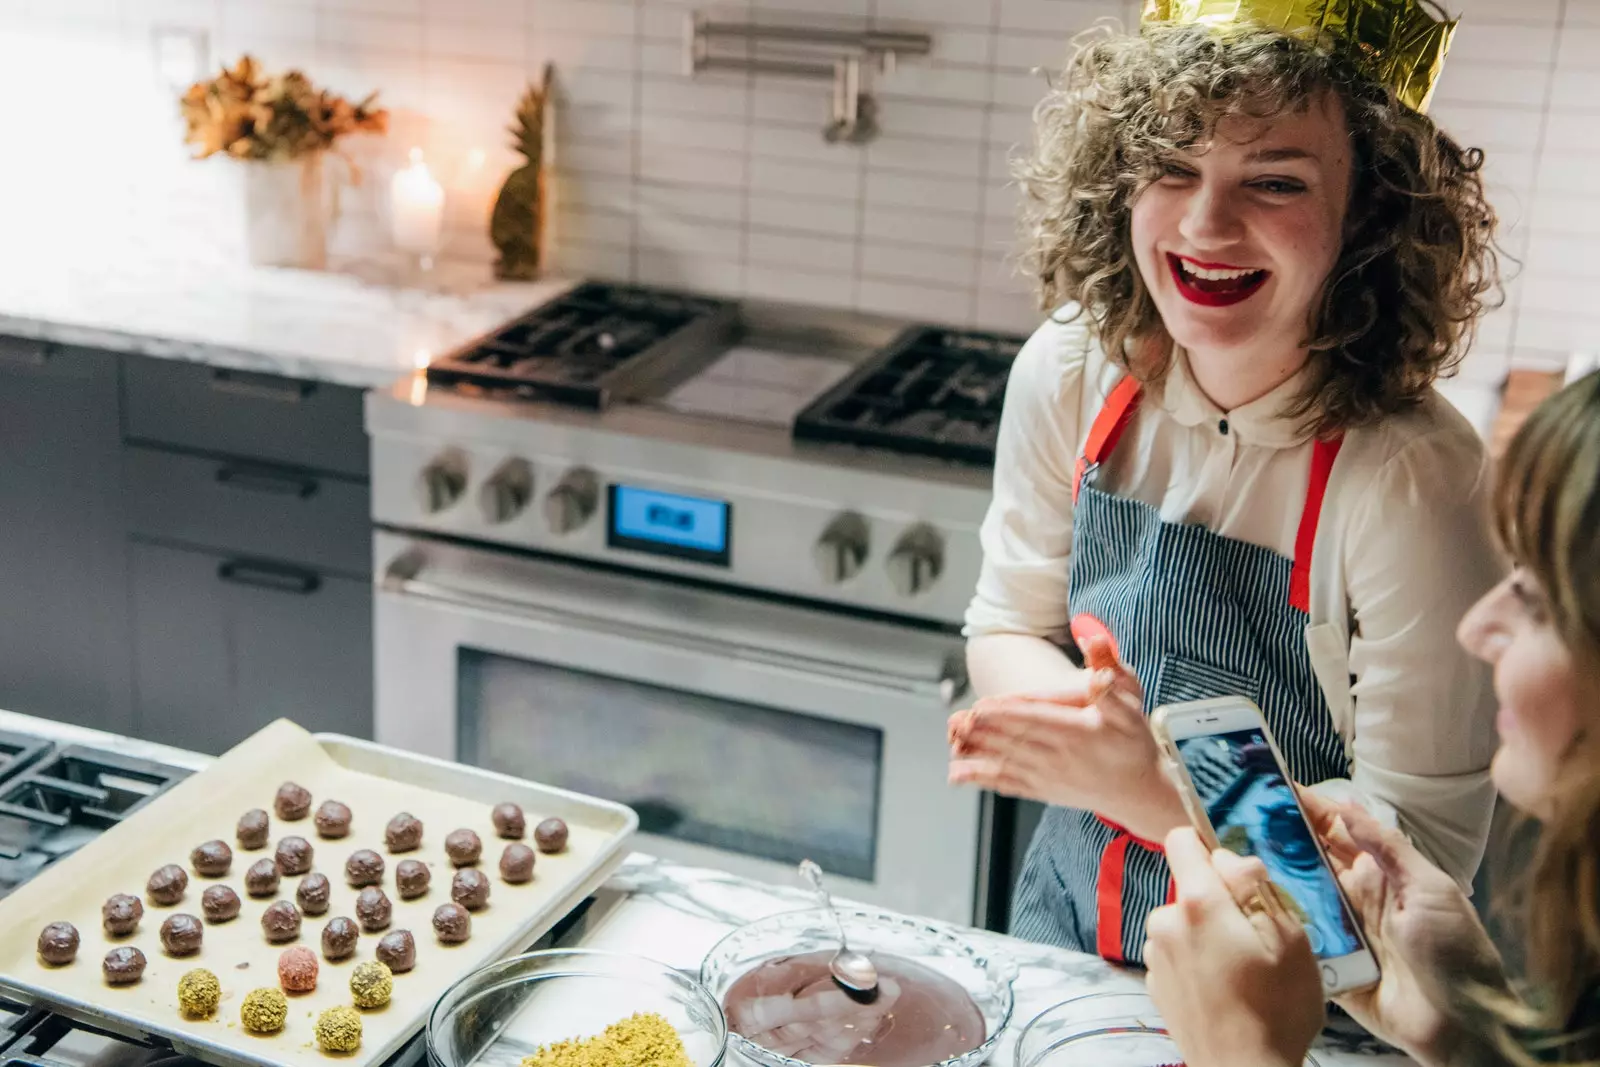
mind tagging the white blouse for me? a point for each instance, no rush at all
(1402, 550)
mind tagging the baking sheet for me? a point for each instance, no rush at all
(376, 783)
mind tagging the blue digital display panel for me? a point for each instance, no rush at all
(670, 524)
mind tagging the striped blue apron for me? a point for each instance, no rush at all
(1194, 615)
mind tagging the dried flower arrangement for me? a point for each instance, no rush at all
(252, 116)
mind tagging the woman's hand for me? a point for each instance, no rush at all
(1085, 746)
(1419, 924)
(1235, 989)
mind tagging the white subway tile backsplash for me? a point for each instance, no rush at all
(906, 190)
(777, 211)
(831, 254)
(945, 304)
(913, 226)
(691, 201)
(804, 179)
(955, 159)
(795, 286)
(723, 182)
(370, 33)
(898, 262)
(615, 18)
(1062, 18)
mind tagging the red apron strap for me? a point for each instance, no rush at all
(1323, 453)
(1107, 427)
(1108, 900)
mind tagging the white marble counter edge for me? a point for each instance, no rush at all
(681, 912)
(312, 368)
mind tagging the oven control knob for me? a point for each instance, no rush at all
(570, 504)
(842, 548)
(441, 483)
(507, 491)
(916, 560)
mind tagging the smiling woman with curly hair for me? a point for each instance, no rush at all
(1222, 467)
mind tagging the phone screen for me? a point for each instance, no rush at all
(1253, 810)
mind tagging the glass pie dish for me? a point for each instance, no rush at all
(1100, 1030)
(985, 979)
(497, 1015)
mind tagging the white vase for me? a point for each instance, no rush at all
(286, 213)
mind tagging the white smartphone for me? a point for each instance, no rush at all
(1240, 797)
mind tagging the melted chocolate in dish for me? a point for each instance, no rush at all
(793, 1006)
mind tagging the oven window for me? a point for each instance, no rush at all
(739, 777)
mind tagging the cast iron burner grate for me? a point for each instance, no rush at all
(596, 344)
(932, 392)
(67, 799)
(18, 751)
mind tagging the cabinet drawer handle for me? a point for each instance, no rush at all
(266, 480)
(261, 386)
(274, 576)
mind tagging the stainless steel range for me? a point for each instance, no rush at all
(706, 559)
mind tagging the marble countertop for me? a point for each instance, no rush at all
(675, 914)
(356, 324)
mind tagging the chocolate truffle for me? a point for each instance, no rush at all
(297, 970)
(313, 894)
(219, 903)
(253, 830)
(264, 1010)
(398, 951)
(293, 802)
(294, 855)
(452, 923)
(411, 878)
(509, 822)
(211, 859)
(261, 880)
(280, 922)
(339, 938)
(167, 884)
(550, 835)
(123, 966)
(470, 889)
(120, 914)
(403, 833)
(58, 944)
(364, 867)
(181, 935)
(516, 863)
(339, 1029)
(198, 993)
(463, 847)
(371, 985)
(333, 819)
(373, 910)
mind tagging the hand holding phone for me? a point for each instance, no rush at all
(1240, 798)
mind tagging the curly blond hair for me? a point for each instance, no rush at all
(1419, 263)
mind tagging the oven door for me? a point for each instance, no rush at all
(748, 733)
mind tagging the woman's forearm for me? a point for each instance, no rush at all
(1017, 663)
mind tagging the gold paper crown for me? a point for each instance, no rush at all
(1403, 44)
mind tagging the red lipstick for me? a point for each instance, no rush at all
(1214, 292)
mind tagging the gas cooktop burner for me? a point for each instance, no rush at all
(66, 800)
(596, 344)
(933, 392)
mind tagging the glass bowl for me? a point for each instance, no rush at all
(986, 979)
(496, 1016)
(1100, 1030)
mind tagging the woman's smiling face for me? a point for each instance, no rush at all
(1236, 239)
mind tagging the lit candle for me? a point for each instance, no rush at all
(416, 207)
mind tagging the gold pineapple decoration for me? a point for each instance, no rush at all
(517, 222)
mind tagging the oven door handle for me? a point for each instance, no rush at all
(400, 577)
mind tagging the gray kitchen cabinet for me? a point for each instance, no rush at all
(63, 586)
(226, 644)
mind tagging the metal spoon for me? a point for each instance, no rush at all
(853, 970)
